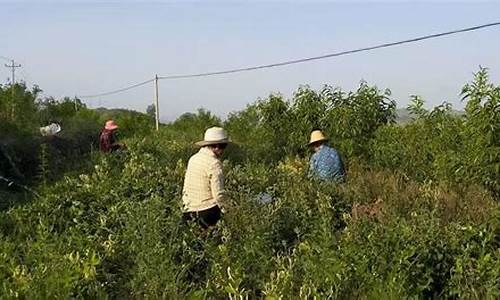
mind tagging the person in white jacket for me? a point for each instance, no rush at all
(203, 190)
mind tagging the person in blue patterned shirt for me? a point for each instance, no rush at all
(325, 163)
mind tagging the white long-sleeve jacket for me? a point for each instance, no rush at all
(204, 182)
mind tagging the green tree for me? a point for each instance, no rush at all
(482, 132)
(18, 104)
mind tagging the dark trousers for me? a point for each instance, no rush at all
(205, 218)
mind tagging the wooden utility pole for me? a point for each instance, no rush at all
(157, 109)
(75, 102)
(13, 66)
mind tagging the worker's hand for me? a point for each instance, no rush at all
(121, 146)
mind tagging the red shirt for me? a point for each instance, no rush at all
(107, 141)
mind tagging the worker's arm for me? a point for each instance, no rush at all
(217, 182)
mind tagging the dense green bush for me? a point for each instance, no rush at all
(440, 145)
(418, 216)
(425, 149)
(273, 128)
(482, 133)
(118, 232)
(27, 157)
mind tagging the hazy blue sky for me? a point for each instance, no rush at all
(75, 48)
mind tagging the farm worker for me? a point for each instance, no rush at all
(107, 140)
(203, 189)
(325, 163)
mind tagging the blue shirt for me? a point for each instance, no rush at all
(327, 164)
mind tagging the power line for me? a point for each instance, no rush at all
(302, 60)
(296, 61)
(118, 90)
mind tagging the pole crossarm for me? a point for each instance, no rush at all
(13, 66)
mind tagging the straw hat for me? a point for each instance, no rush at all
(214, 135)
(317, 136)
(110, 125)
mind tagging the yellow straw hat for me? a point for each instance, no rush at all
(317, 136)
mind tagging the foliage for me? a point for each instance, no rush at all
(482, 132)
(440, 145)
(273, 128)
(18, 104)
(429, 227)
(22, 147)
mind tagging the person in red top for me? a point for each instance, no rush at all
(107, 140)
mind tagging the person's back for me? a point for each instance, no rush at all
(203, 190)
(107, 140)
(325, 163)
(197, 191)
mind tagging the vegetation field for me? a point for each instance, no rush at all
(418, 216)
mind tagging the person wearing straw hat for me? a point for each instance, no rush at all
(107, 139)
(203, 190)
(325, 163)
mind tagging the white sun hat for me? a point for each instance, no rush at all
(214, 135)
(50, 130)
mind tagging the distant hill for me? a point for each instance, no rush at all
(118, 111)
(403, 115)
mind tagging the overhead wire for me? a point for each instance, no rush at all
(296, 61)
(302, 60)
(118, 90)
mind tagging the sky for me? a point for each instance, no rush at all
(74, 48)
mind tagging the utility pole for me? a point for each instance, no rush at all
(157, 110)
(13, 66)
(74, 101)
